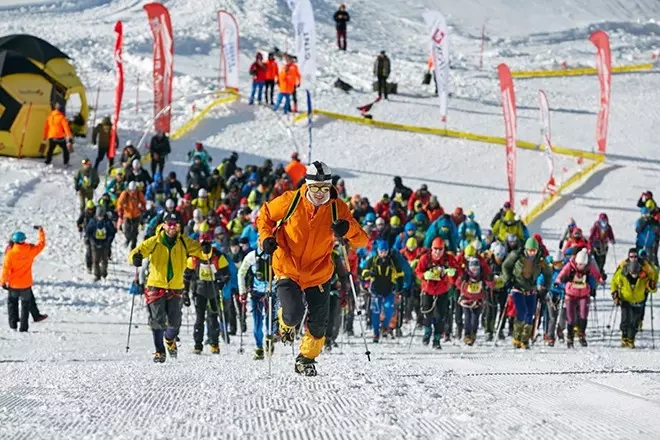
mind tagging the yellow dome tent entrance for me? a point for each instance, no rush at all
(25, 96)
(68, 87)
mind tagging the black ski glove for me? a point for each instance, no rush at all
(269, 245)
(206, 247)
(186, 299)
(137, 259)
(5, 286)
(340, 227)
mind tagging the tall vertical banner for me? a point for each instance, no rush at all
(438, 34)
(228, 27)
(546, 140)
(161, 28)
(604, 66)
(119, 87)
(302, 18)
(510, 124)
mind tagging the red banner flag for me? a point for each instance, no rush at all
(509, 110)
(604, 65)
(119, 88)
(161, 28)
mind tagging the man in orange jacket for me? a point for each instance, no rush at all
(17, 276)
(289, 79)
(271, 75)
(130, 207)
(296, 170)
(297, 229)
(58, 134)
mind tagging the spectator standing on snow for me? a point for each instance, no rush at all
(101, 138)
(57, 134)
(341, 19)
(160, 148)
(271, 76)
(258, 70)
(382, 72)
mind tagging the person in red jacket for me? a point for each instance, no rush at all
(577, 240)
(271, 76)
(437, 270)
(600, 236)
(258, 70)
(422, 194)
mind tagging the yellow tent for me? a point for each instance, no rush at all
(62, 74)
(25, 96)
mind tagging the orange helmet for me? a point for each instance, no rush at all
(438, 243)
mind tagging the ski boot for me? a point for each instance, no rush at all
(489, 337)
(500, 335)
(215, 349)
(426, 339)
(447, 338)
(582, 339)
(159, 358)
(548, 340)
(40, 318)
(398, 333)
(459, 332)
(569, 342)
(376, 339)
(305, 366)
(287, 334)
(560, 334)
(570, 330)
(327, 346)
(436, 342)
(468, 340)
(526, 335)
(197, 349)
(171, 347)
(258, 354)
(269, 345)
(517, 334)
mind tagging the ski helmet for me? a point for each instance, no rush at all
(582, 259)
(132, 186)
(100, 212)
(318, 172)
(577, 233)
(136, 164)
(169, 204)
(411, 244)
(470, 251)
(382, 246)
(498, 250)
(395, 221)
(531, 248)
(149, 204)
(197, 215)
(438, 243)
(202, 194)
(129, 143)
(370, 218)
(512, 240)
(90, 204)
(410, 227)
(558, 258)
(172, 175)
(18, 237)
(380, 221)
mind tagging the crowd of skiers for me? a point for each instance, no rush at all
(232, 238)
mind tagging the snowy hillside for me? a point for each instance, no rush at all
(70, 378)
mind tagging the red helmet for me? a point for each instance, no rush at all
(438, 243)
(577, 233)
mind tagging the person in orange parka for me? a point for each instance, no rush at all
(271, 76)
(17, 276)
(430, 64)
(296, 169)
(130, 206)
(298, 230)
(58, 134)
(289, 79)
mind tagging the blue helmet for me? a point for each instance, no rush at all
(18, 237)
(381, 245)
(410, 226)
(254, 176)
(370, 218)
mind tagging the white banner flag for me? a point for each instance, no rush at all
(302, 18)
(546, 138)
(229, 45)
(439, 33)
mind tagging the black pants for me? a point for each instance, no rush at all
(341, 39)
(88, 255)
(492, 315)
(435, 315)
(600, 261)
(157, 164)
(131, 228)
(52, 143)
(100, 261)
(270, 91)
(630, 315)
(294, 99)
(382, 87)
(332, 330)
(26, 298)
(100, 155)
(292, 301)
(206, 310)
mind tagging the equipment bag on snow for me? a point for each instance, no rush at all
(427, 78)
(346, 87)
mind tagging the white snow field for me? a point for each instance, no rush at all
(70, 376)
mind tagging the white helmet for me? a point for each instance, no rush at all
(197, 214)
(582, 258)
(218, 231)
(132, 186)
(202, 193)
(318, 172)
(150, 204)
(559, 256)
(498, 249)
(129, 143)
(136, 164)
(169, 204)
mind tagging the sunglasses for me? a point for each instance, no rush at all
(633, 257)
(438, 249)
(171, 224)
(314, 189)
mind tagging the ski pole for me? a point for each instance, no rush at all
(301, 331)
(223, 321)
(240, 317)
(596, 309)
(652, 327)
(359, 312)
(616, 312)
(130, 319)
(270, 315)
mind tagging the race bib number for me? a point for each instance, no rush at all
(100, 234)
(580, 281)
(499, 282)
(86, 181)
(474, 288)
(160, 197)
(205, 272)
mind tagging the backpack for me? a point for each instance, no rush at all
(294, 205)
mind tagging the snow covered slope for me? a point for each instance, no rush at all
(70, 378)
